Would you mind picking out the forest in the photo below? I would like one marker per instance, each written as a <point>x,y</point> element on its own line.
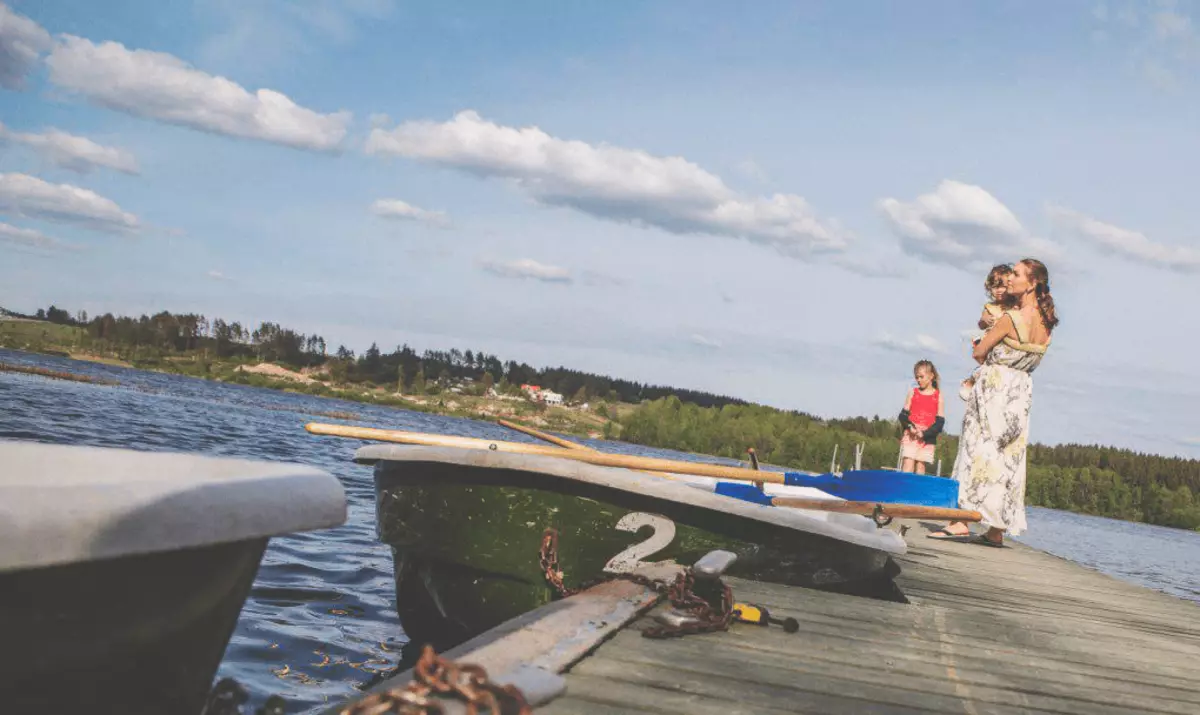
<point>147,340</point>
<point>1090,479</point>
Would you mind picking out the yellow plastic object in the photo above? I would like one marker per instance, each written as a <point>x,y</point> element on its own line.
<point>749,613</point>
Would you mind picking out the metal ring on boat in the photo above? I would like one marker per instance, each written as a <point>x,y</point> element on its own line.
<point>492,446</point>
<point>881,520</point>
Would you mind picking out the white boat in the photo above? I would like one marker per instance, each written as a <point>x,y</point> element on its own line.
<point>122,573</point>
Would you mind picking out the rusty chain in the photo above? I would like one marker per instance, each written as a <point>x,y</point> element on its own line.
<point>706,618</point>
<point>434,676</point>
<point>554,574</point>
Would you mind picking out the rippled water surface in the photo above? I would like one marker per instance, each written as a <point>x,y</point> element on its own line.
<point>321,617</point>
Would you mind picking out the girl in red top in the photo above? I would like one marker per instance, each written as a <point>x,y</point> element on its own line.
<point>922,418</point>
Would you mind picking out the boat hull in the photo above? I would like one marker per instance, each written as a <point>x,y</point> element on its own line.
<point>466,542</point>
<point>138,635</point>
<point>123,572</point>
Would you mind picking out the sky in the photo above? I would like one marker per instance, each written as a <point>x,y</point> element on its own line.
<point>791,203</point>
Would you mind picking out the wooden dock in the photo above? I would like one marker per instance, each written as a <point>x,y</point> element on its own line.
<point>986,630</point>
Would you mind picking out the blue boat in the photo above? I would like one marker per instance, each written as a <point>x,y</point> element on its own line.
<point>874,485</point>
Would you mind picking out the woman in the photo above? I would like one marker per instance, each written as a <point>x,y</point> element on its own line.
<point>990,467</point>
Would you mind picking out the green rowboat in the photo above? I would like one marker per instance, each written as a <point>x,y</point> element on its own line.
<point>466,529</point>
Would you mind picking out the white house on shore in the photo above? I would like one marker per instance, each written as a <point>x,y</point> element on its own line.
<point>540,394</point>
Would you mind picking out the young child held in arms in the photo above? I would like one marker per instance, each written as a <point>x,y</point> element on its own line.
<point>922,418</point>
<point>996,285</point>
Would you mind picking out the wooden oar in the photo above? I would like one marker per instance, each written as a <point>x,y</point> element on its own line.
<point>898,511</point>
<point>566,443</point>
<point>544,436</point>
<point>603,459</point>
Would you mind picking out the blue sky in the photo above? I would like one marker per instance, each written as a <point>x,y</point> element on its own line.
<point>791,203</point>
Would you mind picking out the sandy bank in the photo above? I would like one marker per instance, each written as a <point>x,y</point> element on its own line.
<point>277,372</point>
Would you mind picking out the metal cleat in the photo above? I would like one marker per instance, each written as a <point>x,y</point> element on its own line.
<point>710,566</point>
<point>673,618</point>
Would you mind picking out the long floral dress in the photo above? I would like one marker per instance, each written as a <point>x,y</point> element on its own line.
<point>990,466</point>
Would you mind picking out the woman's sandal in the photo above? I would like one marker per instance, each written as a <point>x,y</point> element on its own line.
<point>983,539</point>
<point>943,534</point>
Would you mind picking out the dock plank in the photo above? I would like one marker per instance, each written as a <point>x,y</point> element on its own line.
<point>985,631</point>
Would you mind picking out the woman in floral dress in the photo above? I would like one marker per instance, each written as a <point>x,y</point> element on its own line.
<point>990,467</point>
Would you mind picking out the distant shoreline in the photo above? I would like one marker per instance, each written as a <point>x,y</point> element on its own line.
<point>567,420</point>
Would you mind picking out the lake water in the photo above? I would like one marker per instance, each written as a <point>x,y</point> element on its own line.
<point>320,620</point>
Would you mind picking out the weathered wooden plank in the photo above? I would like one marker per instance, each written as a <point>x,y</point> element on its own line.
<point>970,625</point>
<point>985,631</point>
<point>946,674</point>
<point>664,691</point>
<point>576,703</point>
<point>1008,635</point>
<point>892,644</point>
<point>763,688</point>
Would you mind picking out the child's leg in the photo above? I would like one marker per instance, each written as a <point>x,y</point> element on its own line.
<point>920,468</point>
<point>907,464</point>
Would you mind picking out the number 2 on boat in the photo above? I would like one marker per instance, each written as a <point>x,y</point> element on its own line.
<point>663,533</point>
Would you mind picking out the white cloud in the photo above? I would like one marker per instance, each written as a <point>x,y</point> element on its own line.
<point>156,85</point>
<point>705,341</point>
<point>28,238</point>
<point>920,344</point>
<point>73,152</point>
<point>613,183</point>
<point>1170,25</point>
<point>1124,242</point>
<point>25,195</point>
<point>269,33</point>
<point>527,268</point>
<point>962,225</point>
<point>403,211</point>
<point>872,267</point>
<point>218,276</point>
<point>22,42</point>
<point>1161,42</point>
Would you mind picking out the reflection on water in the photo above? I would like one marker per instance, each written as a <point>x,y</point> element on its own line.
<point>321,619</point>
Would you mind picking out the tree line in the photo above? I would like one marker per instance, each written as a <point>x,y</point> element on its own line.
<point>1089,479</point>
<point>148,338</point>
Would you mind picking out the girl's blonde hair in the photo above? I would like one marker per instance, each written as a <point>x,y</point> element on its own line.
<point>925,363</point>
